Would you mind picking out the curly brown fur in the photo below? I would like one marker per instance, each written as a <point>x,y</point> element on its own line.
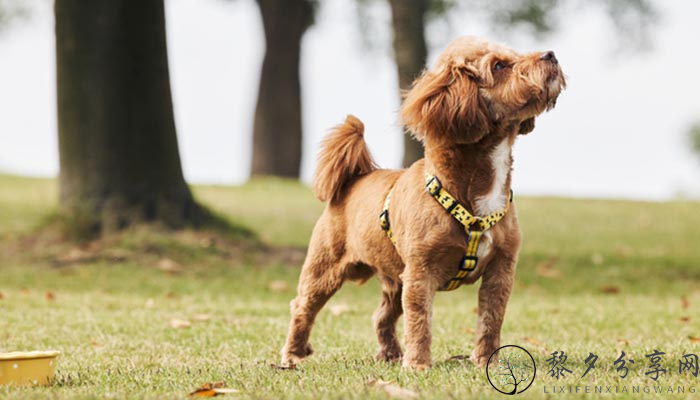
<point>468,110</point>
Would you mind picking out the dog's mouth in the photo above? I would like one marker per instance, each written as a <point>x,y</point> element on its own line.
<point>553,85</point>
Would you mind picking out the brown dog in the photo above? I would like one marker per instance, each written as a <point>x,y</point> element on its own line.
<point>467,110</point>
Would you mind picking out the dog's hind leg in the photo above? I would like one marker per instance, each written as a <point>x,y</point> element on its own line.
<point>385,318</point>
<point>320,279</point>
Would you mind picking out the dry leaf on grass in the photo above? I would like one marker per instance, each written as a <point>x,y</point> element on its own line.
<point>684,302</point>
<point>610,290</point>
<point>2,296</point>
<point>546,269</point>
<point>177,323</point>
<point>694,339</point>
<point>469,330</point>
<point>211,389</point>
<point>533,341</point>
<point>201,317</point>
<point>278,286</point>
<point>76,256</point>
<point>24,291</point>
<point>597,259</point>
<point>623,342</point>
<point>337,309</point>
<point>50,296</point>
<point>459,357</point>
<point>684,319</point>
<point>393,390</point>
<point>170,266</point>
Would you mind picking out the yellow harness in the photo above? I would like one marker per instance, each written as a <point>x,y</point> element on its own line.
<point>460,213</point>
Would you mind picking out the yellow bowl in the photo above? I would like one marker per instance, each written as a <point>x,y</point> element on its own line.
<point>27,367</point>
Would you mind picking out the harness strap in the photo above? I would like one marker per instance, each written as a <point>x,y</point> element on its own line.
<point>459,212</point>
<point>467,264</point>
<point>384,218</point>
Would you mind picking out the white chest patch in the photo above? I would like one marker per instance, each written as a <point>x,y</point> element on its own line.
<point>497,197</point>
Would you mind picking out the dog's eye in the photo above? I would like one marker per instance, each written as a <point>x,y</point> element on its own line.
<point>499,65</point>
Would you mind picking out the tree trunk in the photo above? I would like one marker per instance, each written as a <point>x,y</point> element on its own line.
<point>410,52</point>
<point>119,159</point>
<point>277,131</point>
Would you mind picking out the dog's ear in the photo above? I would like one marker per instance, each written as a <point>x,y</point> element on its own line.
<point>527,126</point>
<point>445,104</point>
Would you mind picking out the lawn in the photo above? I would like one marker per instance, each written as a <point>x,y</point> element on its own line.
<point>146,314</point>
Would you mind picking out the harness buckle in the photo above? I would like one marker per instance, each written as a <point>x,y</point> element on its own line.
<point>433,190</point>
<point>476,225</point>
<point>384,220</point>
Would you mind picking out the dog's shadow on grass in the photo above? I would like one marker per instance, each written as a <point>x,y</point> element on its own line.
<point>458,362</point>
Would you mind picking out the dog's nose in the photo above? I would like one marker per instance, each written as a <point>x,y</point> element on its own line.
<point>549,56</point>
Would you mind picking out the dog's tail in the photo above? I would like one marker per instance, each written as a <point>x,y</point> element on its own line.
<point>344,155</point>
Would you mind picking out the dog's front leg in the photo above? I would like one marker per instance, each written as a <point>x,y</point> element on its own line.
<point>496,286</point>
<point>417,301</point>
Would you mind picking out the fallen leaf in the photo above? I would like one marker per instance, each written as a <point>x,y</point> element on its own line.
<point>684,319</point>
<point>475,310</point>
<point>469,330</point>
<point>533,341</point>
<point>170,266</point>
<point>393,390</point>
<point>597,259</point>
<point>76,256</point>
<point>278,286</point>
<point>207,242</point>
<point>684,302</point>
<point>24,291</point>
<point>337,309</point>
<point>623,342</point>
<point>50,296</point>
<point>212,389</point>
<point>201,317</point>
<point>459,357</point>
<point>610,289</point>
<point>225,390</point>
<point>546,269</point>
<point>177,323</point>
<point>2,296</point>
<point>203,393</point>
<point>694,339</point>
<point>94,343</point>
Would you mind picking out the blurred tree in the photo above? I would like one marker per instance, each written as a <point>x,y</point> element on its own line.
<point>409,18</point>
<point>119,159</point>
<point>694,134</point>
<point>277,130</point>
<point>410,54</point>
<point>12,10</point>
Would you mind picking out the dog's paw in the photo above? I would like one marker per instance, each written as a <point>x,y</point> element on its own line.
<point>479,359</point>
<point>292,358</point>
<point>389,354</point>
<point>415,367</point>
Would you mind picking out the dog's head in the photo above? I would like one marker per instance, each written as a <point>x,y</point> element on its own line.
<point>477,86</point>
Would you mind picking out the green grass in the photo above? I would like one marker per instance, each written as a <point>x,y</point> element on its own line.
<point>594,276</point>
